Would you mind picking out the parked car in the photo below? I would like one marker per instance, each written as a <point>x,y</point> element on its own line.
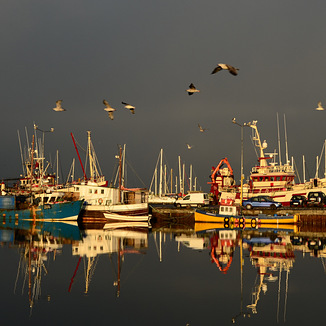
<point>193,199</point>
<point>316,198</point>
<point>261,202</point>
<point>298,201</point>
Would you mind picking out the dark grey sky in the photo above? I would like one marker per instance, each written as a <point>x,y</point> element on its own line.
<point>147,53</point>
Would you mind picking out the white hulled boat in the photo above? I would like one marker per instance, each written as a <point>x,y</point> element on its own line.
<point>103,200</point>
<point>271,179</point>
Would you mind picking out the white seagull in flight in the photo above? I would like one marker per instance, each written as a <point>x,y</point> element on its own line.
<point>201,129</point>
<point>129,107</point>
<point>189,146</point>
<point>109,109</point>
<point>319,108</point>
<point>192,89</point>
<point>222,66</point>
<point>58,107</point>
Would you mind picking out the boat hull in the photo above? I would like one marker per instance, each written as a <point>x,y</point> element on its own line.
<point>203,216</point>
<point>65,211</point>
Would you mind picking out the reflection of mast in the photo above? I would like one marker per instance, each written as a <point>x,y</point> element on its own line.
<point>89,272</point>
<point>241,313</point>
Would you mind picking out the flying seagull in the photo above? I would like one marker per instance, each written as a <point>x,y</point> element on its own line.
<point>189,146</point>
<point>222,66</point>
<point>109,109</point>
<point>129,107</point>
<point>192,89</point>
<point>319,108</point>
<point>58,107</point>
<point>201,129</point>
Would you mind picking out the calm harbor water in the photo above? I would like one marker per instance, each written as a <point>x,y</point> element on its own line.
<point>58,274</point>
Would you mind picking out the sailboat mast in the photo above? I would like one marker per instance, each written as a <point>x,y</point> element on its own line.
<point>278,139</point>
<point>82,166</point>
<point>123,165</point>
<point>32,162</point>
<point>90,155</point>
<point>180,177</point>
<point>161,173</point>
<point>304,169</point>
<point>286,142</point>
<point>120,172</point>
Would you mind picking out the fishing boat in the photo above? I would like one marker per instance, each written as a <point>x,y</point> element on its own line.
<point>100,197</point>
<point>269,178</point>
<point>15,208</point>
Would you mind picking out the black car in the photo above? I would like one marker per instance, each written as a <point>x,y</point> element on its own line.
<point>316,198</point>
<point>298,201</point>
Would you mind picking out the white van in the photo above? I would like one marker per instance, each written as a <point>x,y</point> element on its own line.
<point>193,199</point>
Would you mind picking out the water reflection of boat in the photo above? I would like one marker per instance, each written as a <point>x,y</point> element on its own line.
<point>113,239</point>
<point>269,257</point>
<point>36,242</point>
<point>209,227</point>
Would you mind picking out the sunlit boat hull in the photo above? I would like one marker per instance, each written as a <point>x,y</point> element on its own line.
<point>203,216</point>
<point>64,211</point>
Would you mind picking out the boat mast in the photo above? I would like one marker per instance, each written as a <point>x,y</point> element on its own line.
<point>258,143</point>
<point>304,169</point>
<point>161,173</point>
<point>278,138</point>
<point>165,187</point>
<point>32,163</point>
<point>21,153</point>
<point>123,165</point>
<point>190,178</point>
<point>120,168</point>
<point>286,143</point>
<point>180,180</point>
<point>57,167</point>
<point>91,172</point>
<point>183,178</point>
<point>73,139</point>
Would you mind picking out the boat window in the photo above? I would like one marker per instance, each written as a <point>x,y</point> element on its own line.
<point>90,191</point>
<point>95,191</point>
<point>222,209</point>
<point>102,191</point>
<point>52,199</point>
<point>143,197</point>
<point>45,199</point>
<point>261,178</point>
<point>77,188</point>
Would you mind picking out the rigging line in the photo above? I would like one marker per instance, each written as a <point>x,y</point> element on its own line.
<point>155,171</point>
<point>323,263</point>
<point>133,269</point>
<point>296,169</point>
<point>321,154</point>
<point>18,270</point>
<point>133,170</point>
<point>112,266</point>
<point>253,144</point>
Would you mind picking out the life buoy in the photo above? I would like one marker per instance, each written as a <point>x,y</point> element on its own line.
<point>100,201</point>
